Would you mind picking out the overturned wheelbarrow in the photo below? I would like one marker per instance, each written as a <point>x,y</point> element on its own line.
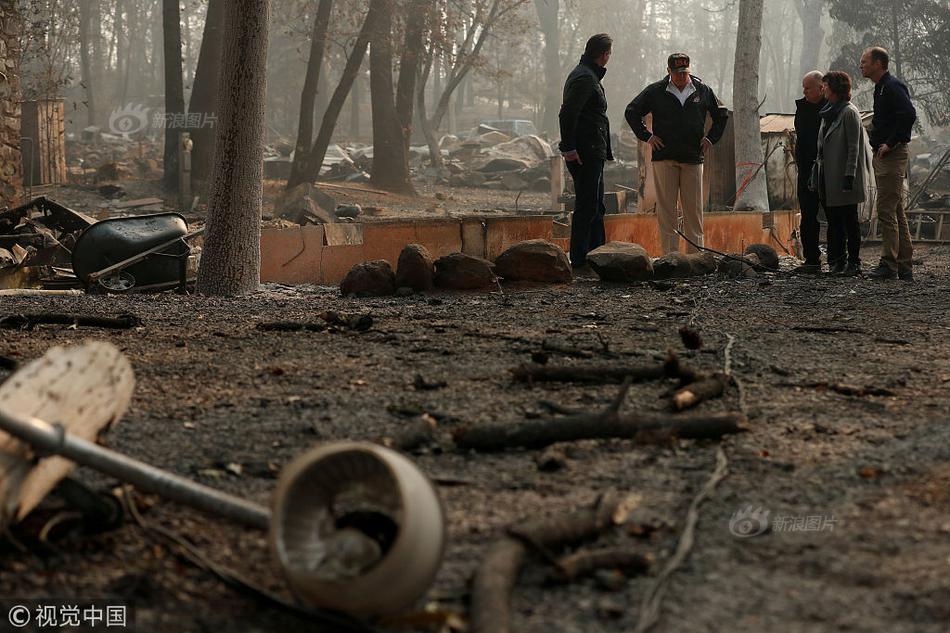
<point>146,252</point>
<point>356,527</point>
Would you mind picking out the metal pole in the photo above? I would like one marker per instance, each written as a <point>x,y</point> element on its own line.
<point>53,439</point>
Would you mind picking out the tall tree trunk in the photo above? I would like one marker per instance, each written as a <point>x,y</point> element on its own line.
<point>548,11</point>
<point>809,11</point>
<point>174,89</point>
<point>350,72</point>
<point>745,90</point>
<point>308,98</point>
<point>356,98</point>
<point>231,260</point>
<point>390,157</point>
<point>204,94</point>
<point>11,163</point>
<point>86,54</point>
<point>896,41</point>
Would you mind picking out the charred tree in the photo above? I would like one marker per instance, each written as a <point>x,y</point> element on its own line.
<point>174,89</point>
<point>390,168</point>
<point>809,11</point>
<point>204,94</point>
<point>308,98</point>
<point>231,261</point>
<point>750,171</point>
<point>548,18</point>
<point>86,58</point>
<point>335,105</point>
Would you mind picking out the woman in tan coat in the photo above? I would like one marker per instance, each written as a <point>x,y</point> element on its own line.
<point>842,173</point>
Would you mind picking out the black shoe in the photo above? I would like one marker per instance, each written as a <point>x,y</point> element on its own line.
<point>807,269</point>
<point>853,269</point>
<point>837,268</point>
<point>882,272</point>
<point>906,275</point>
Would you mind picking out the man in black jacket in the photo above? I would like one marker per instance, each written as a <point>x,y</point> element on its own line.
<point>679,104</point>
<point>585,145</point>
<point>893,120</point>
<point>807,123</point>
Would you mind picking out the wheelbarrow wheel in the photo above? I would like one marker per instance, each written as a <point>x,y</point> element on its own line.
<point>118,282</point>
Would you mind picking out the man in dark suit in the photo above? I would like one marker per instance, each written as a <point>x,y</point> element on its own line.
<point>585,145</point>
<point>807,122</point>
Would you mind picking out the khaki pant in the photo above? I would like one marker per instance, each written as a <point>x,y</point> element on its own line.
<point>675,181</point>
<point>897,251</point>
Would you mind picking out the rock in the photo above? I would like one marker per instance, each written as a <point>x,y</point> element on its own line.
<point>703,263</point>
<point>349,211</point>
<point>535,260</point>
<point>504,164</point>
<point>369,279</point>
<point>621,261</point>
<point>415,268</point>
<point>513,182</point>
<point>766,254</point>
<point>305,204</point>
<point>672,266</point>
<point>738,266</point>
<point>463,272</point>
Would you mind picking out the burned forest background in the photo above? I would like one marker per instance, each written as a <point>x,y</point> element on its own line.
<point>444,65</point>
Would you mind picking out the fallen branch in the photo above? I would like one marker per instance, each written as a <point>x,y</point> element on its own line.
<point>848,390</point>
<point>583,564</point>
<point>605,373</point>
<point>496,576</point>
<point>699,391</point>
<point>29,321</point>
<point>534,434</point>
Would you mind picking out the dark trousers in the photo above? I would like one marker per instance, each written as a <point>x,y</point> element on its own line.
<point>810,205</point>
<point>844,234</point>
<point>587,225</point>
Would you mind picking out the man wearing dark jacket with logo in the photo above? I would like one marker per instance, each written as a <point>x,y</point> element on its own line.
<point>679,104</point>
<point>807,122</point>
<point>585,145</point>
<point>893,120</point>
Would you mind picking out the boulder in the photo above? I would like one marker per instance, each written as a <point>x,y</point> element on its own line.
<point>621,261</point>
<point>535,260</point>
<point>369,279</point>
<point>415,268</point>
<point>672,266</point>
<point>463,272</point>
<point>703,263</point>
<point>766,254</point>
<point>305,204</point>
<point>504,164</point>
<point>739,266</point>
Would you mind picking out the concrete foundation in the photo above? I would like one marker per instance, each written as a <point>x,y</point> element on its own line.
<point>324,254</point>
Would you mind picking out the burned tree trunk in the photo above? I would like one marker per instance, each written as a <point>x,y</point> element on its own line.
<point>390,154</point>
<point>231,261</point>
<point>86,58</point>
<point>809,11</point>
<point>11,163</point>
<point>308,98</point>
<point>204,95</point>
<point>750,171</point>
<point>548,19</point>
<point>174,89</point>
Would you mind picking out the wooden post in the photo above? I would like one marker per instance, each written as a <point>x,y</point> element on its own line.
<point>184,171</point>
<point>557,184</point>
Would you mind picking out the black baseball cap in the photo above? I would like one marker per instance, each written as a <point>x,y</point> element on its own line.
<point>678,63</point>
